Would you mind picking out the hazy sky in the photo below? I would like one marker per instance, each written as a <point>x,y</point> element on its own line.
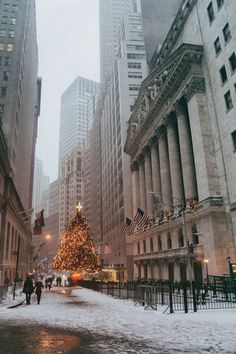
<point>68,46</point>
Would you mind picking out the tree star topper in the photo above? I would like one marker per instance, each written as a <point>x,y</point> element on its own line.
<point>79,207</point>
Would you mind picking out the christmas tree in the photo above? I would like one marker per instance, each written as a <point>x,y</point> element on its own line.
<point>77,251</point>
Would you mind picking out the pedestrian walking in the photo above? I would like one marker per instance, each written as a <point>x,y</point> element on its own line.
<point>28,289</point>
<point>38,289</point>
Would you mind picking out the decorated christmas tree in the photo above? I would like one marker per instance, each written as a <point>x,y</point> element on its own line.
<point>77,251</point>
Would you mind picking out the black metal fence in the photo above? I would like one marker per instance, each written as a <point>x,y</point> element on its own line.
<point>175,296</point>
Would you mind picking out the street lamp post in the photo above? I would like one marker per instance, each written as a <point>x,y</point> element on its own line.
<point>206,264</point>
<point>17,264</point>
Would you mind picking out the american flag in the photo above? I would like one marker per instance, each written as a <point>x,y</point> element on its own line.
<point>140,219</point>
<point>129,226</point>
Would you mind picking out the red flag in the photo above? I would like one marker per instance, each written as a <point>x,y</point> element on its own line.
<point>39,223</point>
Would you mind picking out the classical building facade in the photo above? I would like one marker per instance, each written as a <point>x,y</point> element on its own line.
<point>19,110</point>
<point>181,139</point>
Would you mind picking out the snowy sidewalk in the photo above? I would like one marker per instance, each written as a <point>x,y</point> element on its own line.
<point>212,331</point>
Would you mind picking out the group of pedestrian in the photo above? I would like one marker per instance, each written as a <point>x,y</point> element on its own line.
<point>48,283</point>
<point>58,281</point>
<point>29,288</point>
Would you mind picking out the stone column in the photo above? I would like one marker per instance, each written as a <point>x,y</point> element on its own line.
<point>175,163</point>
<point>148,179</point>
<point>135,187</point>
<point>156,176</point>
<point>203,146</point>
<point>143,200</point>
<point>165,170</point>
<point>186,153</point>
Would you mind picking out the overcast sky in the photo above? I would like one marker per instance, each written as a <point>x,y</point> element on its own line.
<point>68,46</point>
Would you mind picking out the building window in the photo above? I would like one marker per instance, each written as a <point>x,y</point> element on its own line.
<point>0,60</point>
<point>4,20</point>
<point>7,61</point>
<point>210,12</point>
<point>5,75</point>
<point>2,46</point>
<point>159,243</point>
<point>169,241</point>
<point>12,21</point>
<point>9,47</point>
<point>6,7</point>
<point>151,245</point>
<point>223,74</point>
<point>14,8</point>
<point>234,140</point>
<point>134,87</point>
<point>2,108</point>
<point>3,33</point>
<point>220,3</point>
<point>181,238</point>
<point>195,235</point>
<point>11,34</point>
<point>134,65</point>
<point>135,56</point>
<point>217,45</point>
<point>226,33</point>
<point>144,247</point>
<point>232,61</point>
<point>228,101</point>
<point>3,92</point>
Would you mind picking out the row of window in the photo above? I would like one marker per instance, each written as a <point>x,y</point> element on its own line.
<point>135,56</point>
<point>5,33</point>
<point>133,75</point>
<point>7,7</point>
<point>134,65</point>
<point>195,241</point>
<point>227,37</point>
<point>6,20</point>
<point>8,47</point>
<point>210,9</point>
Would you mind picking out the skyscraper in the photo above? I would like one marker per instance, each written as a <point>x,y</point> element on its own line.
<point>111,14</point>
<point>19,111</point>
<point>74,124</point>
<point>74,115</point>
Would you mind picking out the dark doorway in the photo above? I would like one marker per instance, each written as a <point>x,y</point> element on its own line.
<point>183,272</point>
<point>171,272</point>
<point>197,267</point>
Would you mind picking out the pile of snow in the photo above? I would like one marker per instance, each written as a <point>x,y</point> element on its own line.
<point>80,309</point>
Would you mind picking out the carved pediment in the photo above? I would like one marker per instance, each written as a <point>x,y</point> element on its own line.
<point>155,91</point>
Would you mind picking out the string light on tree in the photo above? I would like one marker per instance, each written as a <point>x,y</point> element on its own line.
<point>77,251</point>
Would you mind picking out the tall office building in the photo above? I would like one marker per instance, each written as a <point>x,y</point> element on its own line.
<point>19,110</point>
<point>111,13</point>
<point>75,118</point>
<point>74,115</point>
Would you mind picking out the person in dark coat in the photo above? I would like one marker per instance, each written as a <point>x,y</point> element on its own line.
<point>28,289</point>
<point>38,289</point>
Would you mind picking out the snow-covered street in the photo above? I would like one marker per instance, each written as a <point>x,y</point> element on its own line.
<point>117,326</point>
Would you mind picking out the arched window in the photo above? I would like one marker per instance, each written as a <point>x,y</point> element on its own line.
<point>159,243</point>
<point>169,241</point>
<point>195,235</point>
<point>151,244</point>
<point>181,238</point>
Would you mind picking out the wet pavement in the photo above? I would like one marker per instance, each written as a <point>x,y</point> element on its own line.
<point>38,339</point>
